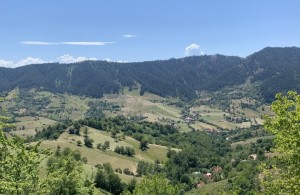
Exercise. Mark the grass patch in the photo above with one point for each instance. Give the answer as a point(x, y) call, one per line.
point(30, 125)
point(95, 156)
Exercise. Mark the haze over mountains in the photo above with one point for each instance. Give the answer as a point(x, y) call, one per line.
point(274, 69)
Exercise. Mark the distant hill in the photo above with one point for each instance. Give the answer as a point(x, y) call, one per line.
point(276, 69)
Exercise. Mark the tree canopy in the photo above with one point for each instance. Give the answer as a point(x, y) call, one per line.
point(156, 185)
point(18, 167)
point(283, 176)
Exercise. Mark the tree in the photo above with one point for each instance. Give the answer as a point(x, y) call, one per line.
point(57, 151)
point(108, 180)
point(18, 165)
point(144, 143)
point(101, 180)
point(88, 142)
point(129, 151)
point(77, 125)
point(65, 177)
point(85, 132)
point(185, 178)
point(131, 186)
point(74, 131)
point(125, 150)
point(106, 145)
point(284, 175)
point(99, 146)
point(113, 133)
point(156, 185)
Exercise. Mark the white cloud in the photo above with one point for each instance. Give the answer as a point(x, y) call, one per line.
point(67, 59)
point(6, 63)
point(64, 59)
point(86, 43)
point(118, 61)
point(22, 62)
point(193, 50)
point(81, 43)
point(107, 59)
point(29, 60)
point(121, 61)
point(129, 36)
point(37, 43)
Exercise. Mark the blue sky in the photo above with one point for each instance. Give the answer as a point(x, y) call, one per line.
point(67, 30)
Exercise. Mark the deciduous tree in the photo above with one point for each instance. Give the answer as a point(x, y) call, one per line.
point(283, 177)
point(19, 172)
point(156, 185)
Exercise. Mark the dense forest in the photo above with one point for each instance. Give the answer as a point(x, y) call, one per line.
point(275, 69)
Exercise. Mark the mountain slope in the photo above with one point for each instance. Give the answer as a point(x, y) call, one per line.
point(276, 69)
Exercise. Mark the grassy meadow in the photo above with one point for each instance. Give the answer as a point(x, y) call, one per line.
point(96, 156)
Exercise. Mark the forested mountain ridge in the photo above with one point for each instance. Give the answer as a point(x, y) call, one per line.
point(276, 69)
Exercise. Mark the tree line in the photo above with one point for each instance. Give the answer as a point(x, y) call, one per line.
point(276, 70)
